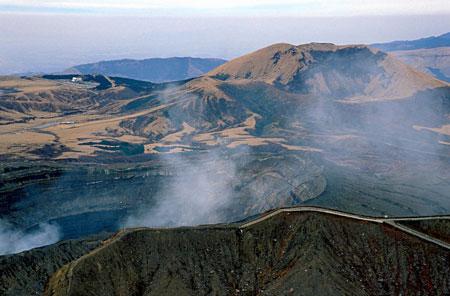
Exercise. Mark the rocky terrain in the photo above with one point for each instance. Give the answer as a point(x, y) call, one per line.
point(344, 127)
point(437, 228)
point(285, 252)
point(27, 273)
point(305, 252)
point(347, 127)
point(264, 181)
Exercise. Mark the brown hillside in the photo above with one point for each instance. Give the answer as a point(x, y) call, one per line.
point(317, 122)
point(354, 72)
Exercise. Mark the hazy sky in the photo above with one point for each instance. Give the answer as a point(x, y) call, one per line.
point(50, 35)
point(231, 7)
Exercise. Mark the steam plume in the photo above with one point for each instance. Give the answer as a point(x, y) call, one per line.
point(13, 240)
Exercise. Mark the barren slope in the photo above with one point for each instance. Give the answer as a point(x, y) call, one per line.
point(346, 127)
point(349, 72)
point(296, 252)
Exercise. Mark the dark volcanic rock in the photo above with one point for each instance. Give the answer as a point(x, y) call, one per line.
point(26, 273)
point(288, 254)
point(439, 228)
point(95, 198)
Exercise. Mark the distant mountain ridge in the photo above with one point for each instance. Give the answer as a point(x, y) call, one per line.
point(434, 61)
point(428, 42)
point(346, 127)
point(430, 55)
point(152, 69)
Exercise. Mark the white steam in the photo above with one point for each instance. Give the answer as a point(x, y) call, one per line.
point(198, 193)
point(13, 240)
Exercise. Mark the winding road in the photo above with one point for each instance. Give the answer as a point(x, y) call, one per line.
point(389, 221)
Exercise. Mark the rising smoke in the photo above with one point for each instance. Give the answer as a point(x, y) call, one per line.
point(198, 192)
point(13, 240)
point(199, 187)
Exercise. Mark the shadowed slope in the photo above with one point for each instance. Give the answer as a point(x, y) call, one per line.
point(351, 72)
point(434, 61)
point(346, 127)
point(289, 253)
point(27, 273)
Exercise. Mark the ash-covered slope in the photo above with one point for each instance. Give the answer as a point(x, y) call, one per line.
point(26, 274)
point(346, 127)
point(291, 253)
point(171, 190)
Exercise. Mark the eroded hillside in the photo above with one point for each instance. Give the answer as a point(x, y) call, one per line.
point(346, 127)
point(305, 252)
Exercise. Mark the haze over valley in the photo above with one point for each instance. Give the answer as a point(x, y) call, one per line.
point(264, 160)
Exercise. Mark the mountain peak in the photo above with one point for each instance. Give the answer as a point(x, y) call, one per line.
point(354, 72)
point(279, 62)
